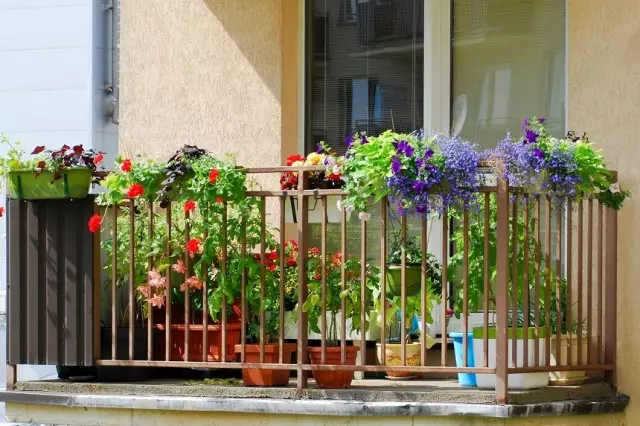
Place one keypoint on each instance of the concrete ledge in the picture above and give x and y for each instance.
(340, 408)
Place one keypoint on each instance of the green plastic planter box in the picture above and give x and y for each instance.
(478, 332)
(413, 277)
(25, 185)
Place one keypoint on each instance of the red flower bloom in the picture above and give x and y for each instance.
(293, 158)
(314, 251)
(94, 222)
(136, 190)
(189, 206)
(98, 159)
(213, 175)
(193, 246)
(219, 200)
(273, 267)
(1, 211)
(318, 277)
(126, 165)
(291, 261)
(334, 176)
(337, 259)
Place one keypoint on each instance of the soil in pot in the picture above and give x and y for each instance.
(393, 358)
(262, 377)
(214, 341)
(333, 379)
(413, 278)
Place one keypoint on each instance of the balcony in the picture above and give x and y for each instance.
(537, 277)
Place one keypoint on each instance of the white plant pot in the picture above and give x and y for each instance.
(373, 333)
(315, 210)
(516, 381)
(567, 378)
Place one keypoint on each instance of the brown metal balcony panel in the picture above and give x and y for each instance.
(50, 282)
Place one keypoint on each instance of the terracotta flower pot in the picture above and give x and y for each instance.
(262, 377)
(214, 341)
(333, 379)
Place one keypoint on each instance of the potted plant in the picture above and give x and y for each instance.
(48, 174)
(270, 305)
(334, 298)
(330, 178)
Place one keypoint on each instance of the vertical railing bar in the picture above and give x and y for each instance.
(403, 291)
(243, 291)
(559, 232)
(363, 291)
(600, 253)
(323, 297)
(444, 286)
(569, 319)
(383, 278)
(114, 283)
(223, 350)
(502, 291)
(343, 280)
(423, 291)
(167, 335)
(486, 289)
(580, 271)
(282, 277)
(205, 307)
(547, 287)
(187, 295)
(525, 286)
(589, 280)
(303, 242)
(514, 283)
(263, 235)
(132, 274)
(611, 292)
(149, 307)
(536, 305)
(465, 287)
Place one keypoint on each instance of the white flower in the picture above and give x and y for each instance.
(364, 216)
(339, 204)
(329, 161)
(336, 169)
(614, 188)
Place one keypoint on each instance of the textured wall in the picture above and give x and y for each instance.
(204, 72)
(604, 100)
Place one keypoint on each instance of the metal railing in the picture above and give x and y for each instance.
(553, 272)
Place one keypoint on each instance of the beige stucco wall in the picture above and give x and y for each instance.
(204, 72)
(604, 100)
(124, 417)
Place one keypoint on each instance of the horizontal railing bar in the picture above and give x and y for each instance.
(295, 193)
(308, 367)
(552, 368)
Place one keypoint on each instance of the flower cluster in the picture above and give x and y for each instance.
(323, 156)
(432, 174)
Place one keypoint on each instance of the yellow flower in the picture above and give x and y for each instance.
(314, 159)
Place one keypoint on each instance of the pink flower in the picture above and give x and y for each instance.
(157, 301)
(180, 267)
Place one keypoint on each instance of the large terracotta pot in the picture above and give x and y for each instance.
(214, 341)
(393, 358)
(264, 377)
(326, 379)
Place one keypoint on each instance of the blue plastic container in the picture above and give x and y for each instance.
(465, 379)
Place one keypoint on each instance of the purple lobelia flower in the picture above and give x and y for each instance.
(396, 165)
(349, 140)
(319, 148)
(403, 147)
(363, 138)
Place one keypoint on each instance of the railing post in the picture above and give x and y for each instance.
(303, 328)
(611, 292)
(502, 289)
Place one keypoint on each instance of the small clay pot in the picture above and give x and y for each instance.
(333, 379)
(265, 377)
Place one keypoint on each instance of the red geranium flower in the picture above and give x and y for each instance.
(94, 222)
(293, 158)
(1, 211)
(314, 251)
(318, 277)
(193, 246)
(189, 206)
(337, 259)
(98, 159)
(213, 175)
(219, 200)
(126, 165)
(136, 190)
(291, 261)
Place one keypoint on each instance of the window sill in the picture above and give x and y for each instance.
(432, 398)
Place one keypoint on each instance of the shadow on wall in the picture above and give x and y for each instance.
(255, 27)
